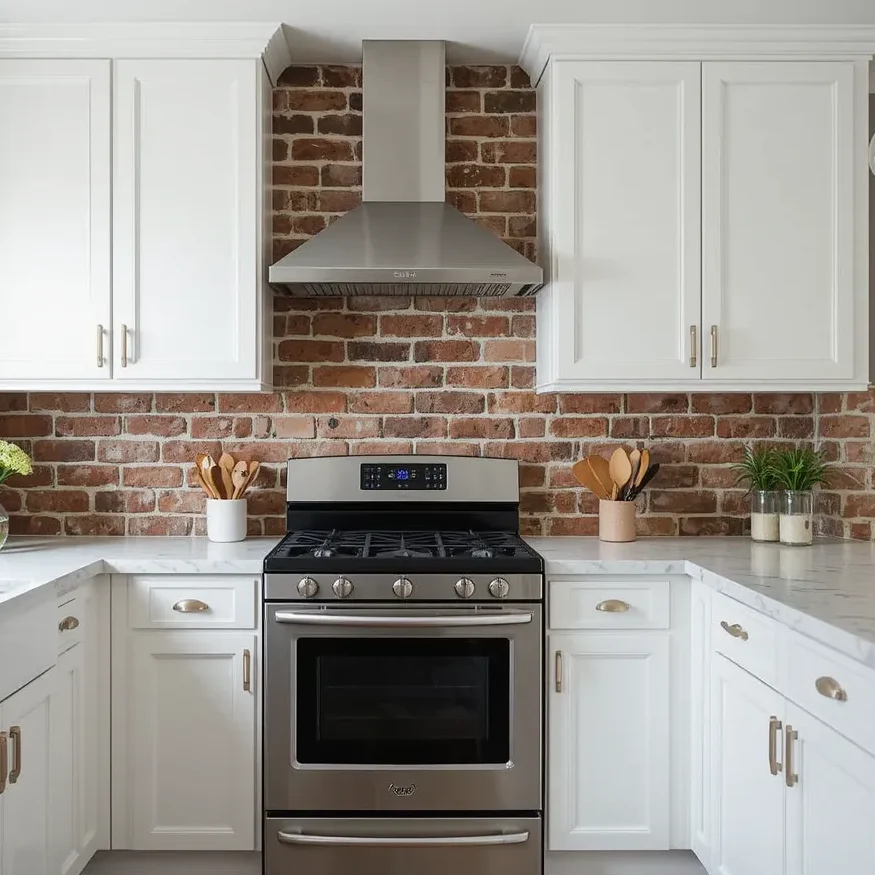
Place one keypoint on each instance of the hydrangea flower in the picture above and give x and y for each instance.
(13, 460)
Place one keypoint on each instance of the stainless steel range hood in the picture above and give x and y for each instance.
(403, 239)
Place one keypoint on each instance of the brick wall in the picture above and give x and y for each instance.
(370, 375)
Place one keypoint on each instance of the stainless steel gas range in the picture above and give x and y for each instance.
(403, 649)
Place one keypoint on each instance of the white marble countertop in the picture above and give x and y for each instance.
(826, 591)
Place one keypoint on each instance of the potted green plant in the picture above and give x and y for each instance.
(13, 460)
(757, 470)
(798, 472)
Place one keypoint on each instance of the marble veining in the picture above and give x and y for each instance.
(826, 591)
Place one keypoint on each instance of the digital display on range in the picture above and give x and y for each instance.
(415, 476)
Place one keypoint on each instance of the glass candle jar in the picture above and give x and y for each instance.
(797, 518)
(764, 509)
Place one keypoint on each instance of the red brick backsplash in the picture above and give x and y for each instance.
(426, 375)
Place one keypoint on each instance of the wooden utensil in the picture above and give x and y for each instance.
(239, 476)
(253, 471)
(615, 492)
(635, 461)
(600, 471)
(652, 471)
(642, 468)
(216, 480)
(585, 477)
(199, 477)
(226, 463)
(620, 468)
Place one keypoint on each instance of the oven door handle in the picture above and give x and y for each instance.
(298, 838)
(324, 618)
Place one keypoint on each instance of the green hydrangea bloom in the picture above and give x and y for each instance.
(13, 460)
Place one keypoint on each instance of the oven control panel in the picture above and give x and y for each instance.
(412, 476)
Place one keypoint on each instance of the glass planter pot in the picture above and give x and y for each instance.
(797, 518)
(4, 526)
(764, 509)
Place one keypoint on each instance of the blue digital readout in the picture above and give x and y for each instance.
(402, 474)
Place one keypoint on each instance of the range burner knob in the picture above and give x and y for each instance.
(499, 588)
(403, 588)
(342, 587)
(308, 587)
(464, 587)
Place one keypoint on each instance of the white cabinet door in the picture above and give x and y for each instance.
(700, 711)
(609, 742)
(54, 220)
(186, 220)
(831, 807)
(778, 221)
(621, 207)
(191, 741)
(26, 717)
(747, 800)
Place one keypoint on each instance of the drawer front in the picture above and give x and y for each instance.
(192, 601)
(69, 623)
(604, 603)
(836, 689)
(746, 637)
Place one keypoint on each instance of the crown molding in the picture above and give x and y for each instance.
(546, 42)
(150, 40)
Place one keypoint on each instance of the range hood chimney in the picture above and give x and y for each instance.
(403, 239)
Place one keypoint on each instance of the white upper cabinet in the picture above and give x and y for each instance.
(778, 221)
(54, 220)
(620, 206)
(186, 278)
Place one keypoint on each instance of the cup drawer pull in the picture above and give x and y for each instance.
(67, 624)
(734, 630)
(191, 606)
(612, 606)
(831, 688)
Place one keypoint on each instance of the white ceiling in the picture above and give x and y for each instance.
(331, 31)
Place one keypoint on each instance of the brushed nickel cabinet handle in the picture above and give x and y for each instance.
(612, 606)
(734, 630)
(790, 735)
(831, 688)
(694, 346)
(774, 729)
(124, 346)
(191, 606)
(67, 624)
(713, 346)
(15, 738)
(247, 671)
(100, 346)
(558, 671)
(4, 761)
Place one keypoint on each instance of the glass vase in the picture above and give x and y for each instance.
(4, 526)
(797, 518)
(764, 509)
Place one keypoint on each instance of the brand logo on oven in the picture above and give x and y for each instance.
(402, 790)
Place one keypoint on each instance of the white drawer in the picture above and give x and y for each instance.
(834, 688)
(746, 637)
(69, 623)
(608, 603)
(27, 639)
(192, 601)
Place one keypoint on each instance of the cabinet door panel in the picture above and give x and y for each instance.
(777, 219)
(831, 810)
(192, 742)
(626, 220)
(609, 743)
(54, 218)
(185, 219)
(67, 763)
(747, 802)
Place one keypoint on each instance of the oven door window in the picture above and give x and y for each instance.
(399, 701)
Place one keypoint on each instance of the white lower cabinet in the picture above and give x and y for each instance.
(608, 750)
(25, 732)
(190, 718)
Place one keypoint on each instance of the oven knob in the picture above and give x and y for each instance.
(342, 587)
(308, 587)
(499, 588)
(464, 587)
(403, 588)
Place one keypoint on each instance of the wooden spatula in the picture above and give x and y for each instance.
(601, 472)
(620, 468)
(239, 476)
(642, 468)
(199, 478)
(216, 480)
(585, 477)
(226, 463)
(253, 473)
(635, 461)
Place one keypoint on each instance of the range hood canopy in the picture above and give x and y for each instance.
(404, 239)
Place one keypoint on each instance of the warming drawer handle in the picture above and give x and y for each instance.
(402, 622)
(297, 838)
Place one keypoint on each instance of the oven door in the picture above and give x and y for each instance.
(402, 708)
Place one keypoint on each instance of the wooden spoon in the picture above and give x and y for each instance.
(652, 471)
(216, 480)
(239, 477)
(600, 472)
(642, 468)
(585, 476)
(199, 477)
(226, 463)
(253, 472)
(620, 468)
(635, 461)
